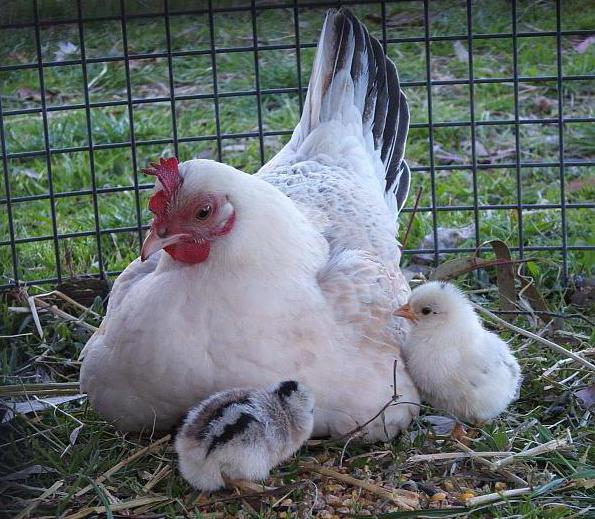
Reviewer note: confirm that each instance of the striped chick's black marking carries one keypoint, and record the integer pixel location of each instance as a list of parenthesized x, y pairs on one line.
[(231, 430), (287, 388), (218, 413)]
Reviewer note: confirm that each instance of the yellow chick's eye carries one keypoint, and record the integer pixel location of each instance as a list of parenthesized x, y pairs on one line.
[(204, 212), (426, 310)]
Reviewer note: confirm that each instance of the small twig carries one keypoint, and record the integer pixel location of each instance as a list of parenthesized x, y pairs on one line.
[(549, 314), (163, 473), (535, 451), (138, 454), (411, 218), (36, 320), (70, 301), (65, 315), (391, 402), (557, 365), (369, 487), (19, 310), (486, 463), (537, 338)]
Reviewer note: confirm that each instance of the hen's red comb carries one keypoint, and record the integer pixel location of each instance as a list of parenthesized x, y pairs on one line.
[(168, 174)]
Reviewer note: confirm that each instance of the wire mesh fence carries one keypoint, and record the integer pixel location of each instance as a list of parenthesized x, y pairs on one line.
[(500, 94)]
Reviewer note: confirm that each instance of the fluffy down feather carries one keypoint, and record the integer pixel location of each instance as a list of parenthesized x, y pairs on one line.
[(241, 434), (458, 365)]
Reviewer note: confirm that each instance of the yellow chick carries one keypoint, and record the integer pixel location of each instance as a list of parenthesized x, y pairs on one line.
[(456, 363)]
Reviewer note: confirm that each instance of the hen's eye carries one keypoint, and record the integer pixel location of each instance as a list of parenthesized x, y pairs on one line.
[(426, 310), (204, 212)]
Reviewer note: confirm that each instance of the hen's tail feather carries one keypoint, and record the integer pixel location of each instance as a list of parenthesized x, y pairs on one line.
[(351, 69)]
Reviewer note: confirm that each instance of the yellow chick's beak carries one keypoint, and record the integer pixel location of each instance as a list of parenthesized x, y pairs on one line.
[(406, 312)]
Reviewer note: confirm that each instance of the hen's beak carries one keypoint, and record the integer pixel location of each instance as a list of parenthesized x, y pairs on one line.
[(153, 242), (406, 312)]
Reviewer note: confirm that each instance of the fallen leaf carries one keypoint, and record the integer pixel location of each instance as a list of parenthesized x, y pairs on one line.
[(75, 433), (480, 149), (454, 268), (31, 470), (85, 290), (531, 298), (584, 294), (65, 49), (446, 156), (234, 147), (579, 183), (442, 425), (29, 94), (32, 406), (582, 46), (504, 274), (586, 396), (399, 19), (461, 51), (448, 238), (28, 173), (542, 105)]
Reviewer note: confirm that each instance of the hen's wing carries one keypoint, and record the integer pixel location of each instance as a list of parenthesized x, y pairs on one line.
[(134, 273), (345, 157)]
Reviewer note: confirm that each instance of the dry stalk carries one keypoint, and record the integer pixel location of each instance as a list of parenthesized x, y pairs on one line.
[(64, 315), (70, 301), (497, 496), (441, 456), (488, 464), (26, 512), (535, 337), (49, 389), (163, 473), (535, 451), (138, 454)]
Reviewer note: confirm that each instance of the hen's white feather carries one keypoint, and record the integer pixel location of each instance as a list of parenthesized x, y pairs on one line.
[(303, 287)]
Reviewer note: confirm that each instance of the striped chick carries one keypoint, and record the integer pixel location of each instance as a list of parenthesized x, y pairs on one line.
[(241, 434)]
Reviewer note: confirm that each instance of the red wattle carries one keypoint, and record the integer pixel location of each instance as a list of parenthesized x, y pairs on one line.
[(189, 252)]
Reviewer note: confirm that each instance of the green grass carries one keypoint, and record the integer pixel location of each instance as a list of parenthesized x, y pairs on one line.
[(235, 72), (547, 408)]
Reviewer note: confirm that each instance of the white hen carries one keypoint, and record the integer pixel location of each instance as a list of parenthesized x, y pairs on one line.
[(457, 364), (288, 274)]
